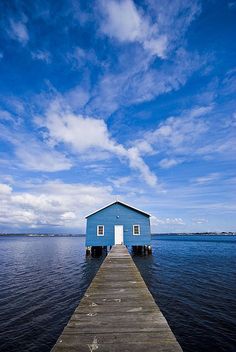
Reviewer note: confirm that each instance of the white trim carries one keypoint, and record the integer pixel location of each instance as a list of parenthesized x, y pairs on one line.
[(118, 201), (98, 234), (136, 234)]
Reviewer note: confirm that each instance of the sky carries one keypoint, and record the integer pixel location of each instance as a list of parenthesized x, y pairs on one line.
[(120, 99)]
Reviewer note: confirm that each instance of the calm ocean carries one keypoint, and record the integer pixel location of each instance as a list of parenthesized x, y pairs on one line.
[(192, 278)]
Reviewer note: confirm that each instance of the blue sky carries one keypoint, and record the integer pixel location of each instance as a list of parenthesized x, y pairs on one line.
[(123, 99)]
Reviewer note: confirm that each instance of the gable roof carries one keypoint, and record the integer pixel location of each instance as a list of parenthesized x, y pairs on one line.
[(122, 203)]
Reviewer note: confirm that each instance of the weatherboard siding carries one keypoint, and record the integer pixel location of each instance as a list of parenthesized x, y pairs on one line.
[(118, 214)]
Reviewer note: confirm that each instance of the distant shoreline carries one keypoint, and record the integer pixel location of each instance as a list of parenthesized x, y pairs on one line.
[(223, 233)]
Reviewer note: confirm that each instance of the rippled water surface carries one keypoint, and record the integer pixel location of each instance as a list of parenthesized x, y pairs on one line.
[(42, 281), (192, 278)]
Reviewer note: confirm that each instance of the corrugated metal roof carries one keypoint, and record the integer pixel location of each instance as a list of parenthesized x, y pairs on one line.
[(119, 202)]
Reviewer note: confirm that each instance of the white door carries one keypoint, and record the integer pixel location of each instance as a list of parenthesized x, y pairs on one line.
[(119, 238)]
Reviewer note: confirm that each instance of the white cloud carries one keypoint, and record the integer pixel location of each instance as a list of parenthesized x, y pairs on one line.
[(157, 46), (68, 216), (37, 156), (175, 18), (50, 204), (199, 221), (77, 97), (41, 55), (193, 135), (5, 115), (18, 31), (5, 189), (144, 147), (10, 118), (81, 133), (14, 104), (168, 163), (136, 81), (166, 221), (85, 136), (124, 22), (32, 153), (136, 162), (158, 28), (80, 57), (178, 132), (178, 136), (88, 135), (120, 182), (207, 178), (199, 111)]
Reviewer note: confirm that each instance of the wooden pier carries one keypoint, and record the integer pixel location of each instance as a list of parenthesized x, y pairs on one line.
[(117, 313)]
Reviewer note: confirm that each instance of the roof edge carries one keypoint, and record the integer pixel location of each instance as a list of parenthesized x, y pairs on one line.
[(118, 201)]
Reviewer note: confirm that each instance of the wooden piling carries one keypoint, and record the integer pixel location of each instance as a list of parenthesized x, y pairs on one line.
[(88, 250), (117, 313)]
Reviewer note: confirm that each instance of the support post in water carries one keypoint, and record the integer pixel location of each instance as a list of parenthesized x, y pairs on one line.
[(88, 250)]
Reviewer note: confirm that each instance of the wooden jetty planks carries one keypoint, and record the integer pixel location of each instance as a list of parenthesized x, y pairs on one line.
[(117, 313)]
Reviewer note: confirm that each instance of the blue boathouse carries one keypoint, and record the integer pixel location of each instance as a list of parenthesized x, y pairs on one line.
[(118, 223)]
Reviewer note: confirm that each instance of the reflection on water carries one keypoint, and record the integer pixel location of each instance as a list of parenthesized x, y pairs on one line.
[(43, 279)]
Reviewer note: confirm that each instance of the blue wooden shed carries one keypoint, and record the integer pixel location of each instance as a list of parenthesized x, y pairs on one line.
[(118, 223)]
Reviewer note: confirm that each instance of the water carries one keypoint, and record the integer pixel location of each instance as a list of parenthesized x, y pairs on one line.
[(42, 281), (192, 278)]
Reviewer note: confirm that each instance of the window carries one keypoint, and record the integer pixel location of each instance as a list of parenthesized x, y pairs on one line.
[(100, 230), (136, 229)]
